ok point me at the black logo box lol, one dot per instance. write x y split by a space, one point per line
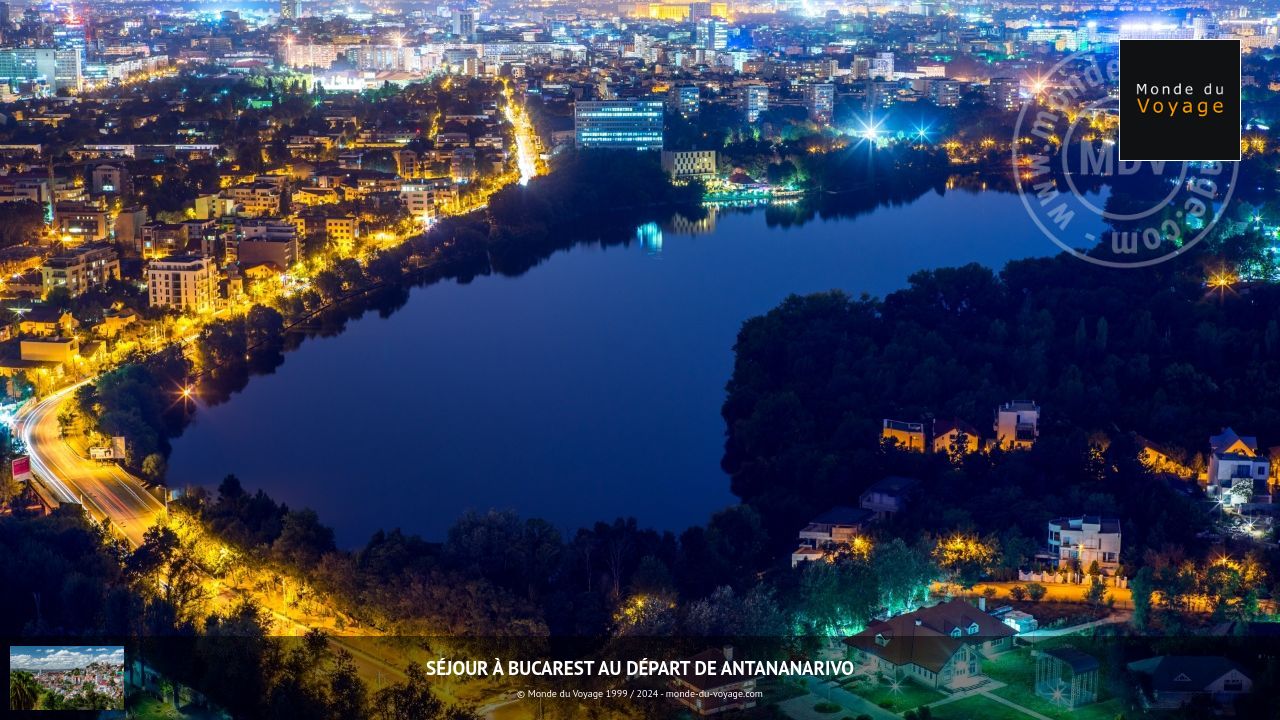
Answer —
1181 137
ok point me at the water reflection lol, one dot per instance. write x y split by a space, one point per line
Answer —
538 386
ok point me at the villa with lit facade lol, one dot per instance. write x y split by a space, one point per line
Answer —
940 647
1085 540
1238 473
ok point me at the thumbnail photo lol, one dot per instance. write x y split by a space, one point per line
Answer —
66 677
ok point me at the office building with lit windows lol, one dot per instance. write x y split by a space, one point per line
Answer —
820 101
755 100
618 124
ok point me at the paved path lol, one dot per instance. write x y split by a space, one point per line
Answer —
982 690
1016 706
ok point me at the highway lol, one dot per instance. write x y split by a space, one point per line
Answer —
122 502
111 495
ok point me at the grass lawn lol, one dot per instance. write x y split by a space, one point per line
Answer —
152 709
977 708
909 695
1017 669
145 707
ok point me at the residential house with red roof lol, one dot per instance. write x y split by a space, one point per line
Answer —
940 647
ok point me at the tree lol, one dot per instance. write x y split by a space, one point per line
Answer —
412 699
1018 592
154 467
348 695
24 691
1141 588
303 540
1036 591
903 575
836 599
20 222
10 489
966 557
1097 593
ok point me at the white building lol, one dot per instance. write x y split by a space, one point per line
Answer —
755 100
690 164
184 282
820 101
1017 425
1087 539
882 66
838 527
256 199
1237 471
81 269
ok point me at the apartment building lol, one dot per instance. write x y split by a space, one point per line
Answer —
183 282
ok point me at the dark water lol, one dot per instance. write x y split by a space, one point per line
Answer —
586 389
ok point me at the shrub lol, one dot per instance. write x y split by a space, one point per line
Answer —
1036 591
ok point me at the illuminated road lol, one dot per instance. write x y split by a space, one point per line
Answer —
118 499
110 494
121 501
526 140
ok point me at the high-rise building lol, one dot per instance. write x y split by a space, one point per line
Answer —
820 101
618 124
712 34
36 67
1003 92
700 10
684 99
882 65
69 69
755 100
944 92
464 24
290 9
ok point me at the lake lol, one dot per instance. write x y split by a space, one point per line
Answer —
586 389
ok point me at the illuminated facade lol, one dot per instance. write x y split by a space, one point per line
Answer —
820 101
183 282
1082 541
618 124
755 100
79 270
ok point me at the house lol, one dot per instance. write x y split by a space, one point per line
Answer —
46 321
1160 459
1237 471
49 350
940 647
1171 681
888 495
1017 425
907 435
1085 540
955 435
838 527
114 321
709 694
